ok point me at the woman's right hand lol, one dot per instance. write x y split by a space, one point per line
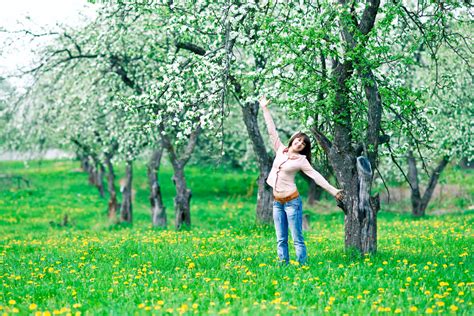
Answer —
264 102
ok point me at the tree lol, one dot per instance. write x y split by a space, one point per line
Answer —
445 80
361 42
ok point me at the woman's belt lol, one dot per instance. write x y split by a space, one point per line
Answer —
288 198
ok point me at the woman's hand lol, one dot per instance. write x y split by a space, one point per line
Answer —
264 102
339 195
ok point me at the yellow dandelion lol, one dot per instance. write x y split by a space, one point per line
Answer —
12 302
33 306
413 308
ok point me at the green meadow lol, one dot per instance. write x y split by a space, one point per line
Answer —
225 264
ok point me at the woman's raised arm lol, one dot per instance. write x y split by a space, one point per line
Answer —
275 140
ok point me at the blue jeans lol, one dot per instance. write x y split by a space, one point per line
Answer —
284 215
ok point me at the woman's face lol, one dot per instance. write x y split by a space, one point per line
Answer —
298 144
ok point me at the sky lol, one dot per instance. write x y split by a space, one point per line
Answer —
37 16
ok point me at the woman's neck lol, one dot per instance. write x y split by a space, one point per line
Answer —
291 151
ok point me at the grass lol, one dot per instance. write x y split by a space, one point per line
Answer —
225 264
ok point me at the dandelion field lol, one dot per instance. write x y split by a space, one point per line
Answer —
225 264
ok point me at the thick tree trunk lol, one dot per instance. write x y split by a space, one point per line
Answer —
181 200
126 207
158 211
360 220
264 209
113 205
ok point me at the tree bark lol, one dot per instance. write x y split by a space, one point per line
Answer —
126 207
369 217
113 205
414 186
264 210
158 210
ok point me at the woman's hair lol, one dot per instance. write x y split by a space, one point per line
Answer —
307 148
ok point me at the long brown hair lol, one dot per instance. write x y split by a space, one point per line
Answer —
307 148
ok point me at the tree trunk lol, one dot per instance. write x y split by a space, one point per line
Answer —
126 207
182 199
360 220
158 210
100 170
314 191
85 165
354 175
92 174
264 209
433 182
113 205
183 194
414 186
419 203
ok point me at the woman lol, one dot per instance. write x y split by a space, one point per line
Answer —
287 207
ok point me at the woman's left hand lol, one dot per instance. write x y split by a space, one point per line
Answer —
339 195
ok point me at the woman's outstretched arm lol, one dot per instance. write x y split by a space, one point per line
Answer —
275 140
320 180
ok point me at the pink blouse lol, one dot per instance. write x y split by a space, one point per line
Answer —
284 169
